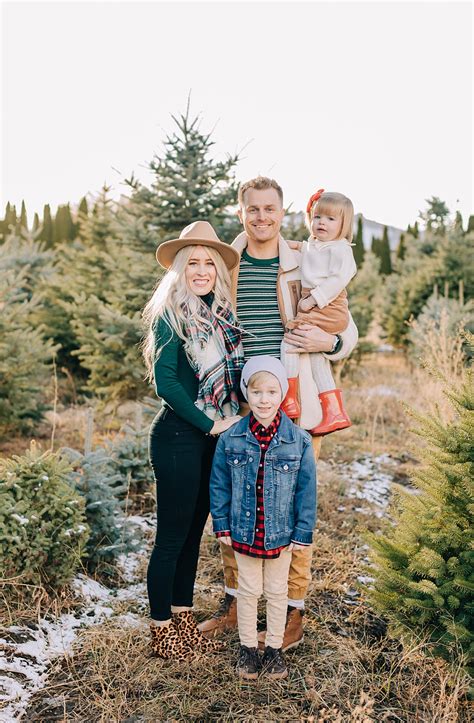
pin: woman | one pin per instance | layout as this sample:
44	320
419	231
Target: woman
194	356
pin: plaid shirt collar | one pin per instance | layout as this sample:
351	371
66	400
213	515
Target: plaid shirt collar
262	433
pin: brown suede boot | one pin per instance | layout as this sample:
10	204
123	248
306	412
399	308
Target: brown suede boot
293	630
290	405
166	643
185	624
225	618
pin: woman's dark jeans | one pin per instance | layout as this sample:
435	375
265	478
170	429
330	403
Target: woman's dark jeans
181	457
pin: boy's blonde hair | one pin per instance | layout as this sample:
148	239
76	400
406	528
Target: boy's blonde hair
334	204
260	183
260	377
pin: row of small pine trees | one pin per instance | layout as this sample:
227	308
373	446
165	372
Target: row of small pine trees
63	510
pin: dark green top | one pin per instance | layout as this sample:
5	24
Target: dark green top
175	380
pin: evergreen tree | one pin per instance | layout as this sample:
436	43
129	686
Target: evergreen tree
424	564
97	480
63	225
359	250
384	253
23	217
188	184
82	216
470	224
458	223
36	223
375	246
416	231
435	215
363	290
47	226
401	248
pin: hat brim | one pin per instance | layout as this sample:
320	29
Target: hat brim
166	251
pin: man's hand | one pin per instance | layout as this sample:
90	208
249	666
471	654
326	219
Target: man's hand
308	338
306	304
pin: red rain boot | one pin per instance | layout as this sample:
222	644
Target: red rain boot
290	405
334	415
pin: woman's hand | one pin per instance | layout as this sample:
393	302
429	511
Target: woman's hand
308	338
295	546
222	424
226	540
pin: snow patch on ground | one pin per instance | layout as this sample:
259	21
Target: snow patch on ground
370	481
27	651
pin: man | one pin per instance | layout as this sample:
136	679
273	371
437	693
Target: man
266	289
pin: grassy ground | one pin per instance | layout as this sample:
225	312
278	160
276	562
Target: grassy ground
347	669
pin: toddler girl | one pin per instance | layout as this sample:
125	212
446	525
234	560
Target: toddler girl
327	266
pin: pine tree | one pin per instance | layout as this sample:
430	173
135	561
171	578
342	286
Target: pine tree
375	246
23	217
470	224
359	250
63	225
188	184
98	481
416	231
385	259
435	215
458	222
424	564
362	290
47	226
36	223
401	248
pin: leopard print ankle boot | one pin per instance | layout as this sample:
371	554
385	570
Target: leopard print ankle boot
167	644
186	626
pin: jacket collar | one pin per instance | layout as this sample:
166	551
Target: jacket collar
286	430
289	259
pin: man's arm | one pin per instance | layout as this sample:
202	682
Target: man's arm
312	339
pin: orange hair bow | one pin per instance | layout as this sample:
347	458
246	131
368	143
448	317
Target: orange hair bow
315	197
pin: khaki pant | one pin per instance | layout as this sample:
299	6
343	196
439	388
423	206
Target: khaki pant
333	318
269	576
299	576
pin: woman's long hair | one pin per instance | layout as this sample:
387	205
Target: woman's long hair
173	300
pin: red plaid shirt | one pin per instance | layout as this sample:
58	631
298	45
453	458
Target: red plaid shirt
264	436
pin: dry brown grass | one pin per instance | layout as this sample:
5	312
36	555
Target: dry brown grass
348	669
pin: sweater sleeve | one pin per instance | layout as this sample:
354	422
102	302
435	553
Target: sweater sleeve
342	268
167	383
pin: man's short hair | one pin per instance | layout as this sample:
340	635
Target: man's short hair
260	183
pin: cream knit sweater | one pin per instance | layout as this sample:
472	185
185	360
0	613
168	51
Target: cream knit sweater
326	268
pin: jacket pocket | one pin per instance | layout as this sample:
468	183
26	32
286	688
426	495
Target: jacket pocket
238	463
285	473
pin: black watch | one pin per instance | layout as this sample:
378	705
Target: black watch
336	346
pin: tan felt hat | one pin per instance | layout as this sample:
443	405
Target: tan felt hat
199	233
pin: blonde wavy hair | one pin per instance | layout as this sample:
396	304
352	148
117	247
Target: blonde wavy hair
337	205
173	300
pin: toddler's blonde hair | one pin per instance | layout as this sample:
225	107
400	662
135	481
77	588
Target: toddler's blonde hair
334	204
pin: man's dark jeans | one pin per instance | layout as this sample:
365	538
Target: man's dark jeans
181	457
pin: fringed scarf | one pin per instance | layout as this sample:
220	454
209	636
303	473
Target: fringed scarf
216	354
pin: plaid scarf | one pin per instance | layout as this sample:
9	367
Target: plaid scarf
216	355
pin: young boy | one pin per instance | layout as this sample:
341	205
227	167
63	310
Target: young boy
263	503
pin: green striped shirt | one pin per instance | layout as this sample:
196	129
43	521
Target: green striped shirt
257	306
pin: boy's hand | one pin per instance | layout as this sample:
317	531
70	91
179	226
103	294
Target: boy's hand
295	546
226	540
306	304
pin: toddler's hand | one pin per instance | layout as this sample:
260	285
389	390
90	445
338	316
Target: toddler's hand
226	540
306	304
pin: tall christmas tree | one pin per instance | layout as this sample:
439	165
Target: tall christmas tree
424	564
188	184
359	250
384	253
401	248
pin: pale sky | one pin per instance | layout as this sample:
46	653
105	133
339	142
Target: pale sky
370	99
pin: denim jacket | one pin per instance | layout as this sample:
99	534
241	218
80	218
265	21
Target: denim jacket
289	485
